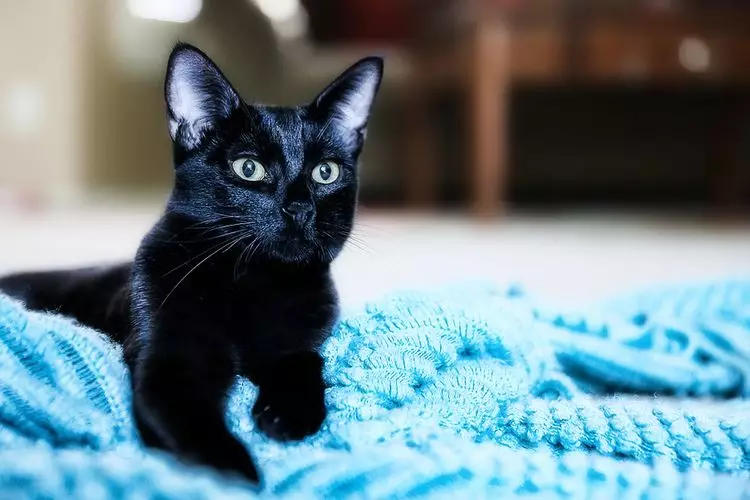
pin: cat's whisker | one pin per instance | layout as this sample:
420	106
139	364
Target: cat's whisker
351	238
203	223
379	230
366	232
355	241
258	245
210	221
223	248
249	251
239	229
355	229
204	230
327	252
226	226
230	233
201	254
240	257
232	216
193	258
357	236
359	246
235	272
351	241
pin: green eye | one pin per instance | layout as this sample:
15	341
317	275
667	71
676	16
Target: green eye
249	169
326	173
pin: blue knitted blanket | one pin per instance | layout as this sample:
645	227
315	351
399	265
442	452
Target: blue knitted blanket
468	392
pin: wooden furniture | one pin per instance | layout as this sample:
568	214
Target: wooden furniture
485	47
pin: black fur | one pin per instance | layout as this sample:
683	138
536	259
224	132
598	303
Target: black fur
234	278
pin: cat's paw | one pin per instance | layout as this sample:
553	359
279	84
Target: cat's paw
230	457
288	417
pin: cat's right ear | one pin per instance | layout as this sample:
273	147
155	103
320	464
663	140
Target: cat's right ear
198	95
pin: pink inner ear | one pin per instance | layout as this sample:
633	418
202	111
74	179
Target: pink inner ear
197	95
354	108
187	107
351	95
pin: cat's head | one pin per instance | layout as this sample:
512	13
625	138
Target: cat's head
285	178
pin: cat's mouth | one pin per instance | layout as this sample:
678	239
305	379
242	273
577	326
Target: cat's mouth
294	236
293	245
292	252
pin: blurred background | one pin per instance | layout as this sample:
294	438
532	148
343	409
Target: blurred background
578	146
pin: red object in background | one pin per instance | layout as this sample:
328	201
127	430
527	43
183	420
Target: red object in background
389	21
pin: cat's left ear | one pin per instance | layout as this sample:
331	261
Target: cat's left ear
350	97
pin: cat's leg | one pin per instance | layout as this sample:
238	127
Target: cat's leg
291	399
179	401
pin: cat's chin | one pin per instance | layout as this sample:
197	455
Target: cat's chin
292	251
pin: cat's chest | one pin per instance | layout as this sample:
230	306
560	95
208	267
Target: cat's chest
253	309
264	315
264	310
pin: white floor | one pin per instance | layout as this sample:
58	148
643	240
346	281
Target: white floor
569	257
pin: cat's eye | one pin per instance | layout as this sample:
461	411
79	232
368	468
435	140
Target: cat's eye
249	169
326	172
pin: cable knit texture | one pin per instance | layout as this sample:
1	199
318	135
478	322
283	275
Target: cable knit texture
472	391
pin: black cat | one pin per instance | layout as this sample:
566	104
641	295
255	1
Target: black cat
234	278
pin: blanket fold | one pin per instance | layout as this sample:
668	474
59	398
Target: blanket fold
473	390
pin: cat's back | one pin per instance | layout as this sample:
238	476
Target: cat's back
98	297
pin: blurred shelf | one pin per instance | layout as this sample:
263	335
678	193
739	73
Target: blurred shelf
321	63
486	47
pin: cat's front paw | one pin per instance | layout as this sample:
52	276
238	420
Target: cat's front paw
289	416
230	457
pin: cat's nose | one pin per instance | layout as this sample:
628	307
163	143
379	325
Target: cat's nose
298	211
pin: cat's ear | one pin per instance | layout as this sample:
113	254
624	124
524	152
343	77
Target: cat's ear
349	97
198	95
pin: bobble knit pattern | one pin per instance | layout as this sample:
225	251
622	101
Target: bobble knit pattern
472	391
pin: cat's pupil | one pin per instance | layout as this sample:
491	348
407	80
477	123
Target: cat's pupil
325	171
248	169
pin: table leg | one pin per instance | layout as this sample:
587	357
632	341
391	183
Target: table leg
421	168
489	86
725	160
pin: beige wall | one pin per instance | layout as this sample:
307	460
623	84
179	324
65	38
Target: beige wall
90	110
129	146
41	94
99	73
